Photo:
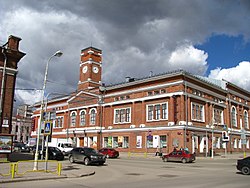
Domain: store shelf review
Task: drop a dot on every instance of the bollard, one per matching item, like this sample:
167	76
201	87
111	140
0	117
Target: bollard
145	154
129	154
59	168
13	170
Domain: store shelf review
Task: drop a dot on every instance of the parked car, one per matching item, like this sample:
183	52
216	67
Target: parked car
109	152
20	147
243	165
179	155
86	155
53	153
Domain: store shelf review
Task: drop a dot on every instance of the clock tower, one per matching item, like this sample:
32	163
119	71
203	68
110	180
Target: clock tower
90	68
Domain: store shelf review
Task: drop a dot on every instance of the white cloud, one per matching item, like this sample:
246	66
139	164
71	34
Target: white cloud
188	58
28	97
238	75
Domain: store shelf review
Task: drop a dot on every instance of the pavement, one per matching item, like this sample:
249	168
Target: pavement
75	170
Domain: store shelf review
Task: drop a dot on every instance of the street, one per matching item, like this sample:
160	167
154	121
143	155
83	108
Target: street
152	172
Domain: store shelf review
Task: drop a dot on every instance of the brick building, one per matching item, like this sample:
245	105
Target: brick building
174	109
22	124
9	58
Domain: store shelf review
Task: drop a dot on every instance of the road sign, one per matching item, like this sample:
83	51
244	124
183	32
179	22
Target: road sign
47	127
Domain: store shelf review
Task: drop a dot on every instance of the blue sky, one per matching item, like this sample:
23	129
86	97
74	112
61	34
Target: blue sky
225	51
206	38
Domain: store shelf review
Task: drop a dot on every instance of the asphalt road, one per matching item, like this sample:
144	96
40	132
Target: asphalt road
152	173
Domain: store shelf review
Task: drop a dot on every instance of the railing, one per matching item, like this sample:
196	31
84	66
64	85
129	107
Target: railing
21	168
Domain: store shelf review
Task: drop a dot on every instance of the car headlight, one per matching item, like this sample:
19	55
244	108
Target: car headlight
93	157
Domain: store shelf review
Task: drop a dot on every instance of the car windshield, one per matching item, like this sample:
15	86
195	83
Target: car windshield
68	145
54	149
90	150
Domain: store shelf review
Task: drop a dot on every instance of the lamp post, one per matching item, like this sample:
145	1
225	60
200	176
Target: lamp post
57	54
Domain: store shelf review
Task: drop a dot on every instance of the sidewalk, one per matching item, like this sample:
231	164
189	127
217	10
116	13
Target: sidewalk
26	173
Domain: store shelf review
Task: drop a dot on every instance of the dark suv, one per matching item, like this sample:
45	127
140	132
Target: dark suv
86	155
243	165
53	153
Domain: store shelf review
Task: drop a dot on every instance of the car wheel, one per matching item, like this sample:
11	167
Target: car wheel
245	170
86	161
184	160
165	159
71	159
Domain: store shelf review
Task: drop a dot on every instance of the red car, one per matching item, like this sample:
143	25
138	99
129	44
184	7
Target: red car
109	152
179	155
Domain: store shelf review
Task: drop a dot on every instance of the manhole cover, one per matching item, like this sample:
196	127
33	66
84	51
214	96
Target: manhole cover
167	176
134	174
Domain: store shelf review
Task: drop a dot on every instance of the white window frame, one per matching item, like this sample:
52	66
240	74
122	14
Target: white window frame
80	115
156	114
71	120
245	117
201	112
61	122
234	116
92	118
121	118
220	116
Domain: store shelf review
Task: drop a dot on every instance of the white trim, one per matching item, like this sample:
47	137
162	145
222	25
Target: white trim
82	111
72	113
92	109
143	89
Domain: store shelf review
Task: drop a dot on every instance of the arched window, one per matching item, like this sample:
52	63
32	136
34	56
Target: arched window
73	119
82	118
92	116
233	116
246	119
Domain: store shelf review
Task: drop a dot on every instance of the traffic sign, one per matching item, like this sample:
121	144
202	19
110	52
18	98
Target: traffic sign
47	128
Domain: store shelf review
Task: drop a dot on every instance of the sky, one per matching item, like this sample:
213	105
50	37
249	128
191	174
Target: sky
206	38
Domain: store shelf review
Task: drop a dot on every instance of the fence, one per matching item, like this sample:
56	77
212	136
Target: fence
21	168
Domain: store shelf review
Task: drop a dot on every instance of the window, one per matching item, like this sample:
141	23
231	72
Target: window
164	111
149	141
122	115
233	116
150	93
82	118
218	116
115	142
73	119
156	112
150	112
125	142
246	119
197	112
92	116
163	141
59	122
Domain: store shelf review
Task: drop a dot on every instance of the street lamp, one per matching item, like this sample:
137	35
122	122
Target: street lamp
57	54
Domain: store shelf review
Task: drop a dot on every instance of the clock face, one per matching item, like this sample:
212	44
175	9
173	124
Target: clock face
84	69
95	69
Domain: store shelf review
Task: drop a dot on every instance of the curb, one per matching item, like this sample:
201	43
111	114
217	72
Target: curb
45	178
